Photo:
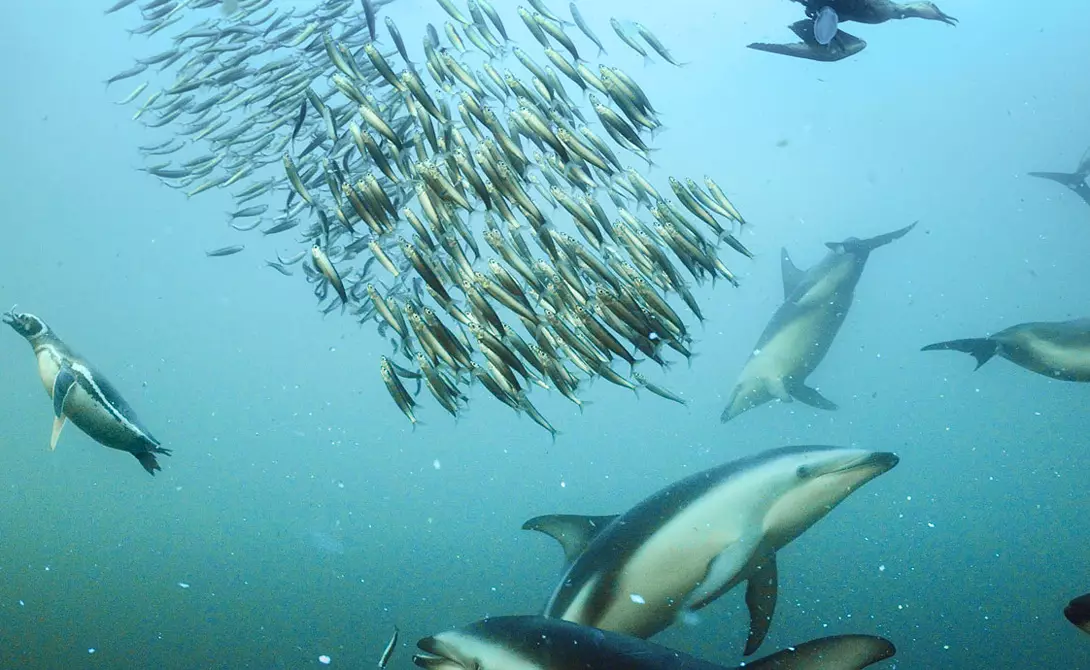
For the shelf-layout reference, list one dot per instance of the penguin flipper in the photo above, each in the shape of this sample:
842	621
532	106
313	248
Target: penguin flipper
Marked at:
63	384
58	424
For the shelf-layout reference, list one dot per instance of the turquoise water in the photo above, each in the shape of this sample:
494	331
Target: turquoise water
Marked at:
304	515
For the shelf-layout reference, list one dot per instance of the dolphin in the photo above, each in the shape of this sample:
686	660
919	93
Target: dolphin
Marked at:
1078	612
688	544
541	643
1060	350
797	338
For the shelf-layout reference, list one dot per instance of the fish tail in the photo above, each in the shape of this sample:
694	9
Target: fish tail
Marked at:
982	349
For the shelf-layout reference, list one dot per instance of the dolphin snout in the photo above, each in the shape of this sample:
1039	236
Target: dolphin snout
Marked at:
885	460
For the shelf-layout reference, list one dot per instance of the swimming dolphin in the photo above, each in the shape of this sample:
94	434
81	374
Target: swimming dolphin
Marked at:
541	643
691	542
1078	612
878	11
841	45
797	338
1060	350
1076	181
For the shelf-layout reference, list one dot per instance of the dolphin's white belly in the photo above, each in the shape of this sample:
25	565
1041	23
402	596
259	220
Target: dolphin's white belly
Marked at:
794	350
1059	361
657	579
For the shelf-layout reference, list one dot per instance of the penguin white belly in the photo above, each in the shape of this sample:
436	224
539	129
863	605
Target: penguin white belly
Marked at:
48	367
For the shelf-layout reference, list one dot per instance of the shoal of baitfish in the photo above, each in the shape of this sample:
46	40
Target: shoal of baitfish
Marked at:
405	160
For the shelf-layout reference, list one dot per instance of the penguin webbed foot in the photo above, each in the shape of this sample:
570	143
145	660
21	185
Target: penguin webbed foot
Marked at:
148	460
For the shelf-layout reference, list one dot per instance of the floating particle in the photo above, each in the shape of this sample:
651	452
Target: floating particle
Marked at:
637	598
324	660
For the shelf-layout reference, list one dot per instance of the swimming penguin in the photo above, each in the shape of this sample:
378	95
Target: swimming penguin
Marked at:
1076	181
82	394
1060	350
839	44
876	11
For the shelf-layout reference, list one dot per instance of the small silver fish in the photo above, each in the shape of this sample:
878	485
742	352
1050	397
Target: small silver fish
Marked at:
389	650
225	251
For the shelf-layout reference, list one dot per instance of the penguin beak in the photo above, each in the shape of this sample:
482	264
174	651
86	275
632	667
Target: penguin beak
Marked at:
9	318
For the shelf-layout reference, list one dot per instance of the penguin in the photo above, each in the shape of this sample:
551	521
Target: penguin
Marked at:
84	395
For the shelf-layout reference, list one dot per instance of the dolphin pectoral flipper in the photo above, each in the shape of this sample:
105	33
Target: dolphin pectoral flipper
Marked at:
721	570
761	591
574	532
792	275
811	397
982	348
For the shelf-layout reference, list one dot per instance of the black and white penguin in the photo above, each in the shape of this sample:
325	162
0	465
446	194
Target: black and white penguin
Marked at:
82	394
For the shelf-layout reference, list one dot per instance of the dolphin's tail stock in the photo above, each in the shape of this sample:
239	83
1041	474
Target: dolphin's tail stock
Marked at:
982	349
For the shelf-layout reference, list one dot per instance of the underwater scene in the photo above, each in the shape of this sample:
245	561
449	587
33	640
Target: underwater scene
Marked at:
545	335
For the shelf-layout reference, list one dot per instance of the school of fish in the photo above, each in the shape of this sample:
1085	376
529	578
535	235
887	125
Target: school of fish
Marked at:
476	213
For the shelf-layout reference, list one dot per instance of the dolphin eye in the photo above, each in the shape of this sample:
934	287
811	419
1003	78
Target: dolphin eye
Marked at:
802	472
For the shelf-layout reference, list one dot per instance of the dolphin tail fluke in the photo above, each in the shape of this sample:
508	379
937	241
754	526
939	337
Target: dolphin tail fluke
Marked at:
1068	179
870	244
761	591
982	349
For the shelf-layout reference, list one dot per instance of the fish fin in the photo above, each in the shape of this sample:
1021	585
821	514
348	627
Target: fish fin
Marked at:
810	396
63	384
982	348
792	275
572	531
761	591
721	572
58	424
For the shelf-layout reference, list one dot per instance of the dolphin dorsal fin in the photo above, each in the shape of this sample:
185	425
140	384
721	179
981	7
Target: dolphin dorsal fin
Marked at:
792	276
572	531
